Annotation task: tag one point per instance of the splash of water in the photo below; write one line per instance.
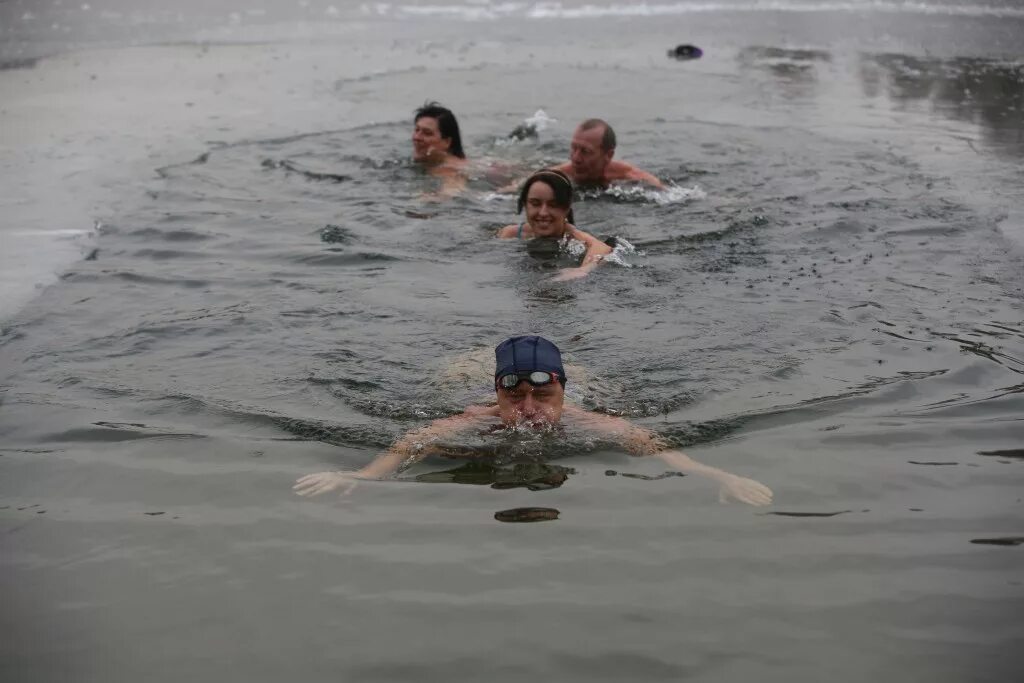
(529, 129)
(539, 120)
(673, 194)
(622, 249)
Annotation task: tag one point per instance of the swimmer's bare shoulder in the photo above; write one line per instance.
(508, 232)
(481, 411)
(565, 168)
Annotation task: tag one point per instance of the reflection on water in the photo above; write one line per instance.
(534, 476)
(526, 515)
(986, 92)
(644, 477)
(782, 61)
(1004, 540)
(782, 513)
(795, 71)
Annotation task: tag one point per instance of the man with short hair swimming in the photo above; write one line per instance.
(529, 384)
(590, 158)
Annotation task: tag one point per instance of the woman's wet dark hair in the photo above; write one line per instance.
(560, 185)
(446, 125)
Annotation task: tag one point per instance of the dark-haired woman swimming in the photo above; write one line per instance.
(437, 146)
(547, 197)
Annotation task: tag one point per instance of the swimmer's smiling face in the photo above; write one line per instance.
(587, 156)
(527, 405)
(427, 144)
(545, 216)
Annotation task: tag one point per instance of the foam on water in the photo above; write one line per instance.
(531, 127)
(673, 194)
(33, 259)
(622, 248)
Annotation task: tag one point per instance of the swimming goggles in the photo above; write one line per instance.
(537, 378)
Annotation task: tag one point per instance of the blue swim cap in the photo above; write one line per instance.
(525, 354)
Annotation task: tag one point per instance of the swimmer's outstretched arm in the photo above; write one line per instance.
(412, 447)
(640, 441)
(635, 173)
(596, 251)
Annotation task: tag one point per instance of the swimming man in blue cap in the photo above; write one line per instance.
(529, 383)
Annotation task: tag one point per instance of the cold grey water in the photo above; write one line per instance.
(221, 272)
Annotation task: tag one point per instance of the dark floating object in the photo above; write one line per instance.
(537, 483)
(526, 515)
(532, 476)
(153, 514)
(523, 131)
(1006, 540)
(808, 514)
(682, 52)
(1011, 453)
(931, 462)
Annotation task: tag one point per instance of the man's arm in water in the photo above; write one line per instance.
(640, 441)
(620, 170)
(412, 447)
(617, 171)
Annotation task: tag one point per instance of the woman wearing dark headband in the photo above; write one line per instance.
(547, 197)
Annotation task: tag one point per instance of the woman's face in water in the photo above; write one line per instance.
(427, 143)
(546, 218)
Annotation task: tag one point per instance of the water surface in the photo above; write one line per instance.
(828, 299)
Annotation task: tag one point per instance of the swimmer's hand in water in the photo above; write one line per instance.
(731, 486)
(325, 482)
(744, 490)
